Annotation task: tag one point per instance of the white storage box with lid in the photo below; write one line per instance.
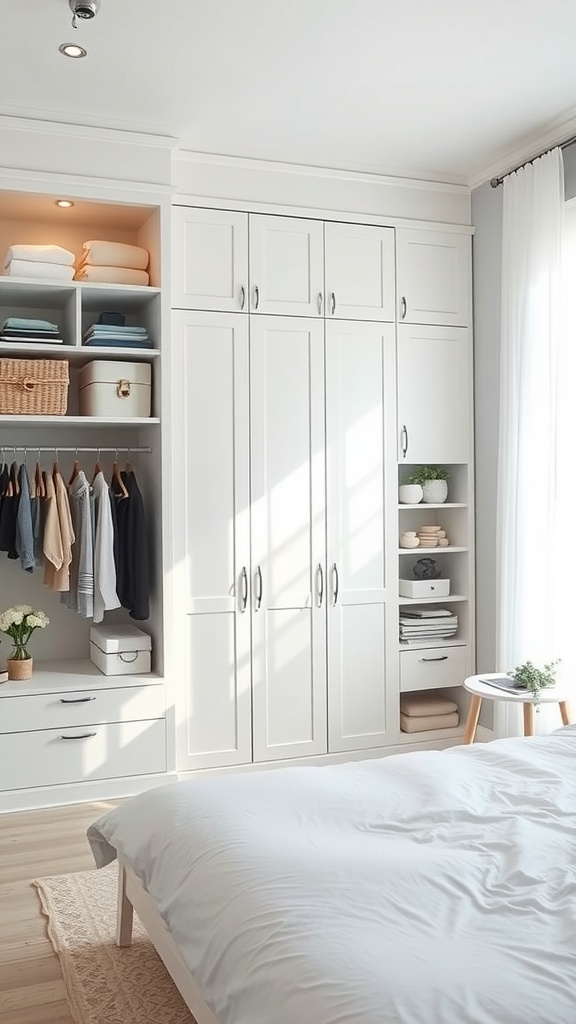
(109, 388)
(120, 650)
(424, 588)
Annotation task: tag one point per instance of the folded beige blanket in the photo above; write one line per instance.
(112, 275)
(411, 724)
(420, 704)
(97, 253)
(47, 271)
(42, 253)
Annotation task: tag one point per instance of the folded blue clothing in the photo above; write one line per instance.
(115, 329)
(118, 319)
(24, 324)
(118, 343)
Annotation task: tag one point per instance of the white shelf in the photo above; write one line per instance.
(75, 352)
(80, 421)
(425, 505)
(423, 645)
(456, 732)
(34, 291)
(412, 551)
(447, 599)
(72, 674)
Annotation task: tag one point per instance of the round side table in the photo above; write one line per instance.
(480, 689)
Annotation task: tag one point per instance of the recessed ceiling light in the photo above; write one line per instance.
(72, 50)
(65, 204)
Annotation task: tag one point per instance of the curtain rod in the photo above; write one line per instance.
(60, 448)
(559, 145)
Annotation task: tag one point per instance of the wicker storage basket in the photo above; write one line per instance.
(33, 387)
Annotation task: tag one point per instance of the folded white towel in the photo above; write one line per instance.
(41, 253)
(97, 253)
(47, 271)
(112, 275)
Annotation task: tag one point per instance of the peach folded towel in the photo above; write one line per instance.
(96, 253)
(46, 271)
(111, 275)
(419, 705)
(41, 254)
(408, 723)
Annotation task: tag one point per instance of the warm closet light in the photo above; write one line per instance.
(73, 50)
(64, 204)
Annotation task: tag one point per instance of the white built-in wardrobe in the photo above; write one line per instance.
(314, 363)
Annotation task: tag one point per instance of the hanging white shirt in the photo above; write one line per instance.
(105, 596)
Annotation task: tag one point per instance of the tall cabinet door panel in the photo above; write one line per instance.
(288, 537)
(209, 259)
(211, 537)
(360, 274)
(361, 470)
(434, 389)
(433, 277)
(286, 266)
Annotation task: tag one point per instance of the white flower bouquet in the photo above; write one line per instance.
(19, 623)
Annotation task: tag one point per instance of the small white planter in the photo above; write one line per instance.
(435, 491)
(410, 494)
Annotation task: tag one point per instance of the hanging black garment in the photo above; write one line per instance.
(9, 512)
(130, 547)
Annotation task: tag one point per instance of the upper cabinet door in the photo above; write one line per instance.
(359, 262)
(433, 277)
(286, 266)
(209, 260)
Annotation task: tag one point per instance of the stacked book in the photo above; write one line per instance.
(116, 336)
(423, 625)
(21, 329)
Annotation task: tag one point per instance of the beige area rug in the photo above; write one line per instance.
(105, 984)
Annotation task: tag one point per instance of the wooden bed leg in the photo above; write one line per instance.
(564, 712)
(473, 716)
(528, 719)
(125, 912)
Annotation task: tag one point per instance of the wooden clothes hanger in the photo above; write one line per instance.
(117, 477)
(75, 470)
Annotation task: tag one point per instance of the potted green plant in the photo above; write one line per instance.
(433, 480)
(529, 677)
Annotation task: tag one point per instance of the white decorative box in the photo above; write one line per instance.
(424, 588)
(109, 388)
(120, 650)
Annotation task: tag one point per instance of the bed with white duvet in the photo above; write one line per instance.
(436, 887)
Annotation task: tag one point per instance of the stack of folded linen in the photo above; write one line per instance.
(50, 262)
(109, 336)
(420, 712)
(21, 329)
(112, 263)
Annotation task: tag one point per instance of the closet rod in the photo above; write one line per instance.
(62, 448)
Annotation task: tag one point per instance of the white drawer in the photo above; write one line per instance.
(46, 758)
(432, 668)
(81, 707)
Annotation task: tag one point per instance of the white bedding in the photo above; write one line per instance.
(436, 887)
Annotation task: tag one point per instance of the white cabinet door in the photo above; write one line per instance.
(433, 274)
(288, 538)
(211, 538)
(360, 273)
(286, 266)
(434, 388)
(209, 259)
(361, 470)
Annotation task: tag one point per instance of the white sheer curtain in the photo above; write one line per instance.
(537, 460)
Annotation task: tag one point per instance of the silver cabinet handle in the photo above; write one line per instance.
(244, 577)
(76, 700)
(336, 581)
(256, 296)
(443, 657)
(320, 585)
(242, 297)
(333, 302)
(259, 590)
(404, 441)
(319, 303)
(403, 308)
(84, 736)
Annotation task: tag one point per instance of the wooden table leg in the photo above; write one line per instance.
(528, 719)
(564, 712)
(473, 716)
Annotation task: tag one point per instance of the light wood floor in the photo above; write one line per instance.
(34, 844)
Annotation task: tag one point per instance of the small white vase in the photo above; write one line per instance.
(410, 494)
(435, 492)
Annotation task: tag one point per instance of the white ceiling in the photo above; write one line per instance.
(448, 89)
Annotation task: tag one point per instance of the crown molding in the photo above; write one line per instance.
(440, 184)
(17, 179)
(529, 149)
(84, 131)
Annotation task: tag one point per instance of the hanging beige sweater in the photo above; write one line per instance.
(62, 575)
(52, 538)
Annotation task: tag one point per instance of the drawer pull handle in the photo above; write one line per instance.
(443, 657)
(76, 700)
(129, 657)
(84, 736)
